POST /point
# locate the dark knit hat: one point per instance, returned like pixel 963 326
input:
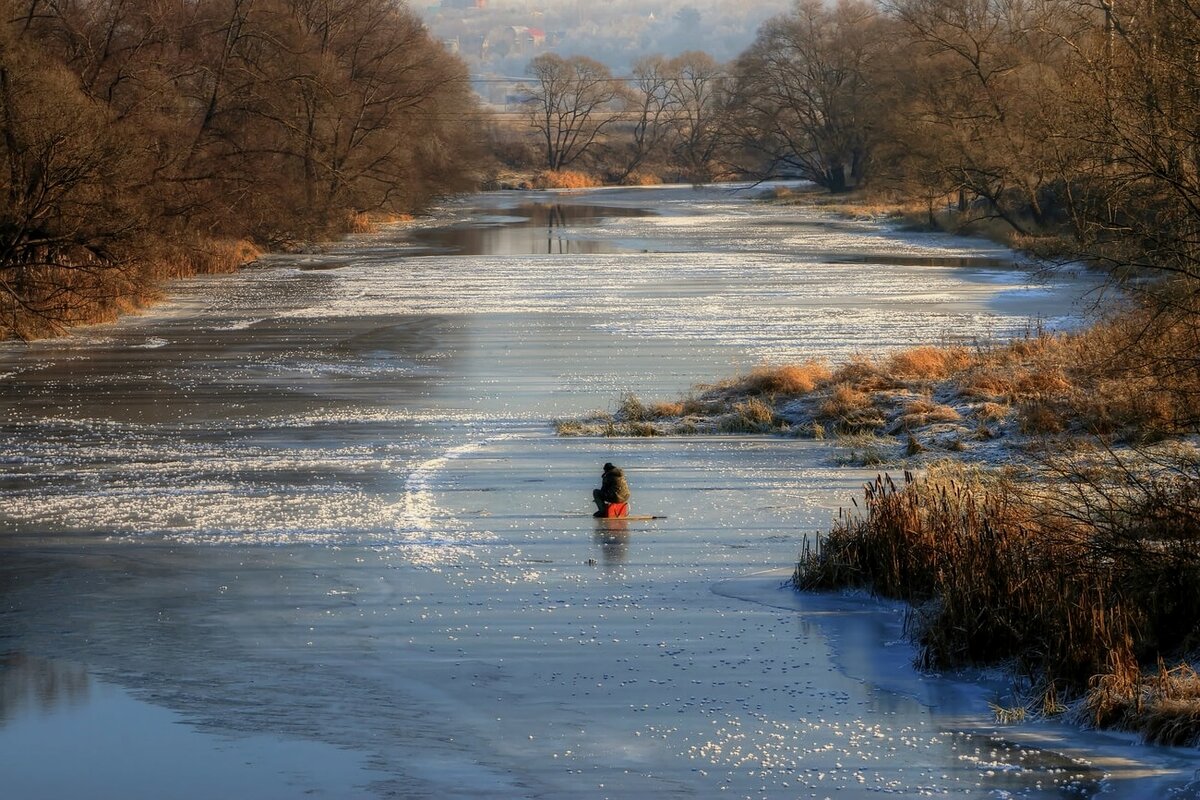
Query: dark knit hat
pixel 609 467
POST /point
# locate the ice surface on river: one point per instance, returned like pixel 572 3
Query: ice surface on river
pixel 319 501
pixel 757 282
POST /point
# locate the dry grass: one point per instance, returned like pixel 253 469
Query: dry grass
pixel 564 179
pixel 213 256
pixel 631 409
pixel 850 410
pixel 865 374
pixel 993 412
pixel 662 410
pixel 788 379
pixel 1087 593
pixel 641 177
pixel 569 427
pixel 844 401
pixel 923 411
pixel 864 450
pixel 640 429
pixel 1011 382
pixel 702 406
pixel 928 363
pixel 1133 378
pixel 1040 417
pixel 372 221
pixel 58 299
pixel 751 415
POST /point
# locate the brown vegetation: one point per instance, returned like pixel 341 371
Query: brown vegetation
pixel 923 411
pixel 751 415
pixel 928 363
pixel 788 379
pixel 142 140
pixel 640 177
pixel 850 409
pixel 1084 590
pixel 563 179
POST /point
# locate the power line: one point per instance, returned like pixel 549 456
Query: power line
pixel 615 79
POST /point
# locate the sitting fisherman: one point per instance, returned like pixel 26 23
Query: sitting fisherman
pixel 613 491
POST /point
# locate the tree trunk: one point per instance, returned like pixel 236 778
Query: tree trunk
pixel 835 178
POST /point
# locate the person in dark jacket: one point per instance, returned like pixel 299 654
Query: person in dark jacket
pixel 613 489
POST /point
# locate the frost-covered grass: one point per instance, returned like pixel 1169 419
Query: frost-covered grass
pixel 989 403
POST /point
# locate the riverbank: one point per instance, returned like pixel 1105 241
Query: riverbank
pixel 54 302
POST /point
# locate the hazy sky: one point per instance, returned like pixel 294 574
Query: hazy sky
pixel 616 32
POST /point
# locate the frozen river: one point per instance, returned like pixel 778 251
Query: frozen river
pixel 305 531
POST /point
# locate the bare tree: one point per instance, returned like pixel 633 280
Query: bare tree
pixel 66 171
pixel 804 97
pixel 696 90
pixel 142 137
pixel 649 104
pixel 1136 96
pixel 571 102
pixel 983 95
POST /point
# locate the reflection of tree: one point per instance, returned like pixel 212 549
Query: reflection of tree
pixel 612 536
pixel 556 220
pixel 29 682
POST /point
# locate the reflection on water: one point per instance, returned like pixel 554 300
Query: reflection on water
pixel 528 229
pixel 612 536
pixel 39 684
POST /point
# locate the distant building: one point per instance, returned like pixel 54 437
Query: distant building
pixel 513 40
